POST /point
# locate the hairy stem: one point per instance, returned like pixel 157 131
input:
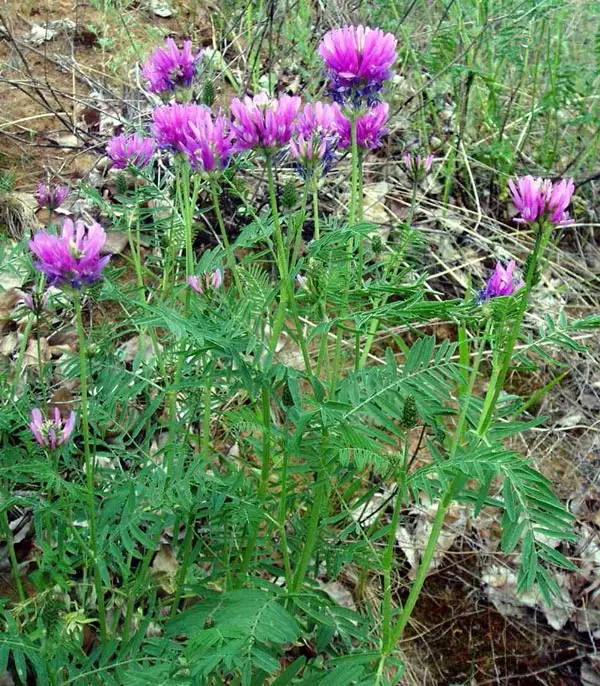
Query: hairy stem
pixel 231 263
pixel 89 466
pixel 264 480
pixel 501 368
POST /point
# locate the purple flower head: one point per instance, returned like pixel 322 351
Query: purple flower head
pixel 51 196
pixel 502 282
pixel 52 432
pixel 540 198
pixel 263 122
pixel 170 68
pixel 208 142
pixel 370 127
pixel 314 138
pixel 172 124
pixel 417 167
pixel 73 258
pixel 35 302
pixel 206 282
pixel 358 59
pixel 132 150
pixel 558 198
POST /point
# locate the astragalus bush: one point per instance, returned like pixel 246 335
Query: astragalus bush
pixel 191 502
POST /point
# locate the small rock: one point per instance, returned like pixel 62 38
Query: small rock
pixel 161 9
pixel 116 242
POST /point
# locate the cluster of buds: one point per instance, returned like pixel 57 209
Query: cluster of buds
pixel 417 167
pixel 51 196
pixel 36 302
pixel 207 283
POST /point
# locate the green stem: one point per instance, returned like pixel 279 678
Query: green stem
pixel 280 259
pixel 206 411
pixel 315 203
pixel 228 249
pixel 320 496
pixel 354 171
pixel 297 232
pixel 38 343
pixel 395 634
pixel 375 322
pixel 287 295
pixel 388 557
pixel 462 420
pixel 282 519
pixel 264 480
pixel 185 562
pixel 349 253
pixel 187 207
pixel 89 466
pixel 501 368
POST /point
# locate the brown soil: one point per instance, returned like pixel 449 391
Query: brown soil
pixel 464 640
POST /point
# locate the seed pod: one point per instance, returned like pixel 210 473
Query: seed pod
pixel 410 415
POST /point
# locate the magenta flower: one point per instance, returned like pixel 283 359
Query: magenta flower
pixel 53 432
pixel 73 258
pixel 208 142
pixel 314 138
pixel 263 122
pixel 358 59
pixel 170 68
pixel 172 124
pixel 370 127
pixel 417 167
pixel 51 196
pixel 134 150
pixel 501 283
pixel 540 198
pixel 316 117
pixel 206 282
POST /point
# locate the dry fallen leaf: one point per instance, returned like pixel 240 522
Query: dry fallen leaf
pixel 164 568
pixel 340 594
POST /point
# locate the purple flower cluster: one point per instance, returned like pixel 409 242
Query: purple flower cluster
pixel 134 150
pixel 263 122
pixel 358 59
pixel 73 258
pixel 51 432
pixel 370 127
pixel 51 197
pixel 171 125
pixel 193 131
pixel 501 283
pixel 209 143
pixel 170 68
pixel 536 198
pixel 314 138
